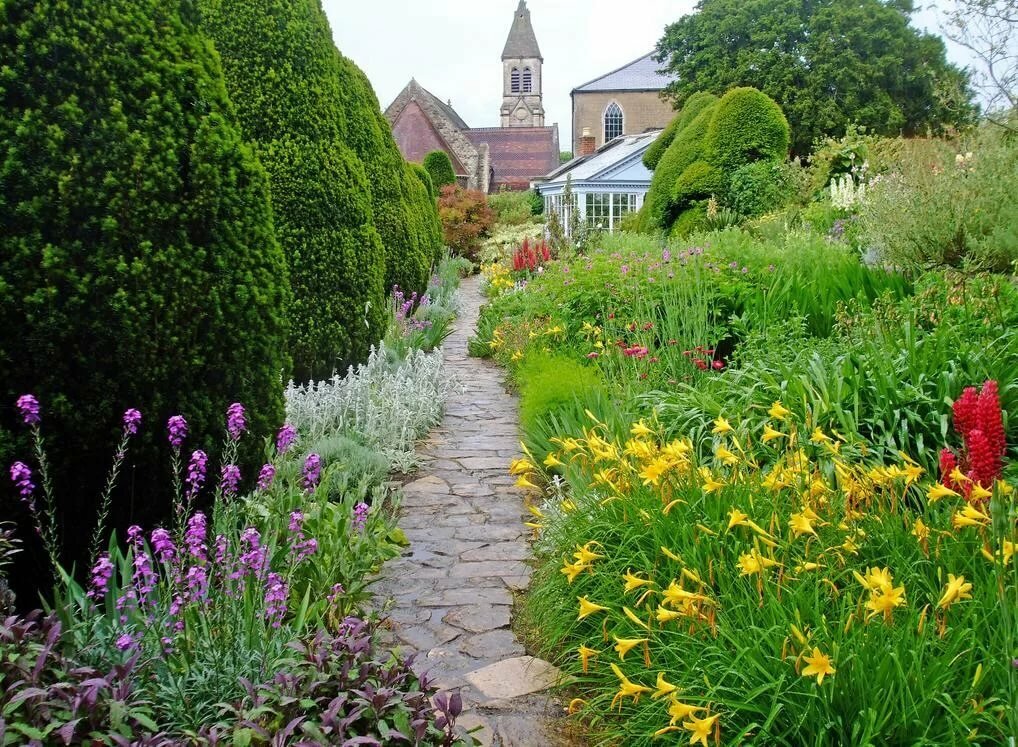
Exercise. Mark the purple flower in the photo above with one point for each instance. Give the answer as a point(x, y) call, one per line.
point(236, 424)
point(300, 548)
point(144, 577)
point(22, 477)
point(360, 516)
point(176, 429)
point(221, 546)
point(102, 572)
point(266, 476)
point(276, 593)
point(196, 470)
point(135, 535)
point(132, 419)
point(163, 545)
point(296, 522)
point(285, 438)
point(197, 582)
point(28, 405)
point(194, 537)
point(312, 471)
point(335, 594)
point(666, 256)
point(229, 479)
point(254, 558)
point(125, 642)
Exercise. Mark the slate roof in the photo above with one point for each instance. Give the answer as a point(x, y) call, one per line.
point(518, 154)
point(618, 150)
point(446, 108)
point(522, 42)
point(638, 75)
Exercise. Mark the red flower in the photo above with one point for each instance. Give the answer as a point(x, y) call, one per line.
point(965, 417)
point(718, 365)
point(701, 364)
point(948, 462)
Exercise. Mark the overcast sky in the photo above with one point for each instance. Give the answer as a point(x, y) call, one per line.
point(454, 47)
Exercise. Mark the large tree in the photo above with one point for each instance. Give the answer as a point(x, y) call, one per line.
point(826, 62)
point(138, 262)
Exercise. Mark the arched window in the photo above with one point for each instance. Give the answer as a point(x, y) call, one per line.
point(528, 81)
point(613, 126)
point(515, 80)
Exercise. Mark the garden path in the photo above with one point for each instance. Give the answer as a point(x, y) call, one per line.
point(453, 590)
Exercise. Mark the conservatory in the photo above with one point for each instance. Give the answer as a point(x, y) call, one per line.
point(605, 185)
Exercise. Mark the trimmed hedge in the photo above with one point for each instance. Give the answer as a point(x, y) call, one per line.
point(138, 262)
point(747, 126)
point(758, 188)
point(439, 165)
point(283, 73)
point(685, 150)
point(422, 173)
point(690, 110)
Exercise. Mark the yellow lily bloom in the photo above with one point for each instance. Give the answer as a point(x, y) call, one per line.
point(778, 411)
point(726, 456)
point(625, 645)
point(920, 531)
point(521, 466)
point(585, 656)
point(633, 616)
point(970, 516)
point(641, 429)
point(663, 687)
point(588, 608)
point(884, 603)
point(819, 666)
point(939, 490)
point(679, 710)
point(955, 591)
point(770, 434)
point(736, 518)
point(912, 473)
point(801, 524)
point(701, 728)
point(634, 582)
point(585, 555)
point(665, 615)
point(959, 477)
point(754, 562)
point(876, 580)
point(819, 437)
point(979, 493)
point(572, 570)
point(627, 689)
point(721, 427)
point(711, 485)
point(523, 482)
point(552, 461)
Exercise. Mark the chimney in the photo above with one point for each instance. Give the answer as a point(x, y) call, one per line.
point(588, 143)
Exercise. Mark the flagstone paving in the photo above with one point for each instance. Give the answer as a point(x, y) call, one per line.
point(453, 590)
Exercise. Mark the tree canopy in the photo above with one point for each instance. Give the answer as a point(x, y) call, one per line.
point(827, 63)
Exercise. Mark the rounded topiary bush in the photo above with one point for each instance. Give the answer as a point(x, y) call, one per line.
point(687, 148)
point(746, 126)
point(690, 110)
point(758, 188)
point(422, 173)
point(138, 262)
point(283, 73)
point(440, 167)
point(699, 181)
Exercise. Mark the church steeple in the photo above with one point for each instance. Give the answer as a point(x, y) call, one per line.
point(522, 95)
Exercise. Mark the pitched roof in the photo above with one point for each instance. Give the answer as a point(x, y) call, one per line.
point(639, 75)
point(518, 154)
point(522, 41)
point(605, 159)
point(446, 108)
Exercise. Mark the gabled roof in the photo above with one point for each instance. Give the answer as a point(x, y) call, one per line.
point(522, 41)
point(639, 75)
point(518, 155)
point(605, 161)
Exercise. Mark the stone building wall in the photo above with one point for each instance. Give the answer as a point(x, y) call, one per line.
point(641, 111)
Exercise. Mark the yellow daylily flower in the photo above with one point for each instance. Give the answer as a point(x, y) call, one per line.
point(920, 531)
point(701, 728)
point(666, 615)
point(956, 590)
point(588, 608)
point(635, 582)
point(678, 710)
point(585, 555)
point(754, 562)
point(801, 524)
point(884, 602)
point(572, 570)
point(521, 467)
point(979, 493)
point(959, 477)
point(912, 473)
point(876, 580)
point(552, 461)
point(939, 490)
point(778, 411)
point(710, 485)
point(624, 645)
point(586, 654)
point(640, 429)
point(652, 473)
point(721, 427)
point(627, 689)
point(523, 482)
point(819, 666)
point(770, 434)
point(736, 518)
point(635, 618)
point(726, 456)
point(819, 437)
point(970, 516)
point(663, 687)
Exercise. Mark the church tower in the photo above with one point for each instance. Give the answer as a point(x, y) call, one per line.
point(522, 98)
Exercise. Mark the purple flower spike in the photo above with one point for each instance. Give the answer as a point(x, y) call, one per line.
point(360, 516)
point(176, 429)
point(22, 477)
point(132, 419)
point(102, 572)
point(266, 476)
point(276, 593)
point(666, 255)
point(194, 537)
point(229, 479)
point(125, 642)
point(163, 545)
point(28, 406)
point(286, 438)
point(197, 582)
point(236, 423)
point(196, 469)
point(312, 471)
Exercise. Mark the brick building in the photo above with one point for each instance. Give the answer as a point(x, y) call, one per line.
point(626, 101)
point(486, 158)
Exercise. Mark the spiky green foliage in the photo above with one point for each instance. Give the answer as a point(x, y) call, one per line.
point(747, 126)
point(138, 262)
point(406, 217)
point(693, 106)
point(283, 73)
point(440, 167)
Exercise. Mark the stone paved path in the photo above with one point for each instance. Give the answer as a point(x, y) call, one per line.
point(453, 590)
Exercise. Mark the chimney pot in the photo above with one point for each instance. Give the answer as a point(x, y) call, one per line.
point(588, 143)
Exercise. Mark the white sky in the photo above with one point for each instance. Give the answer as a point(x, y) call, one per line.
point(454, 47)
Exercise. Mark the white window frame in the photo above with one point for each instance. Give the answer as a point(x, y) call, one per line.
point(604, 121)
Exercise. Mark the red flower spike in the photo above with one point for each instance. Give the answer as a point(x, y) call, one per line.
point(948, 463)
point(990, 419)
point(965, 411)
point(984, 464)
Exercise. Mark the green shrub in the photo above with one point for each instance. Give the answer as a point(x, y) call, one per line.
point(747, 126)
point(439, 166)
point(283, 74)
point(690, 220)
point(404, 213)
point(759, 188)
point(138, 263)
point(690, 110)
point(422, 173)
point(685, 150)
point(511, 208)
point(699, 181)
point(551, 382)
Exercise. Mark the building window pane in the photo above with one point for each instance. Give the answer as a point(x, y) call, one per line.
point(515, 80)
point(612, 122)
point(598, 210)
point(621, 205)
point(527, 80)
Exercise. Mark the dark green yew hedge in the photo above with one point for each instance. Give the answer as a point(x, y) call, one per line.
point(440, 167)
